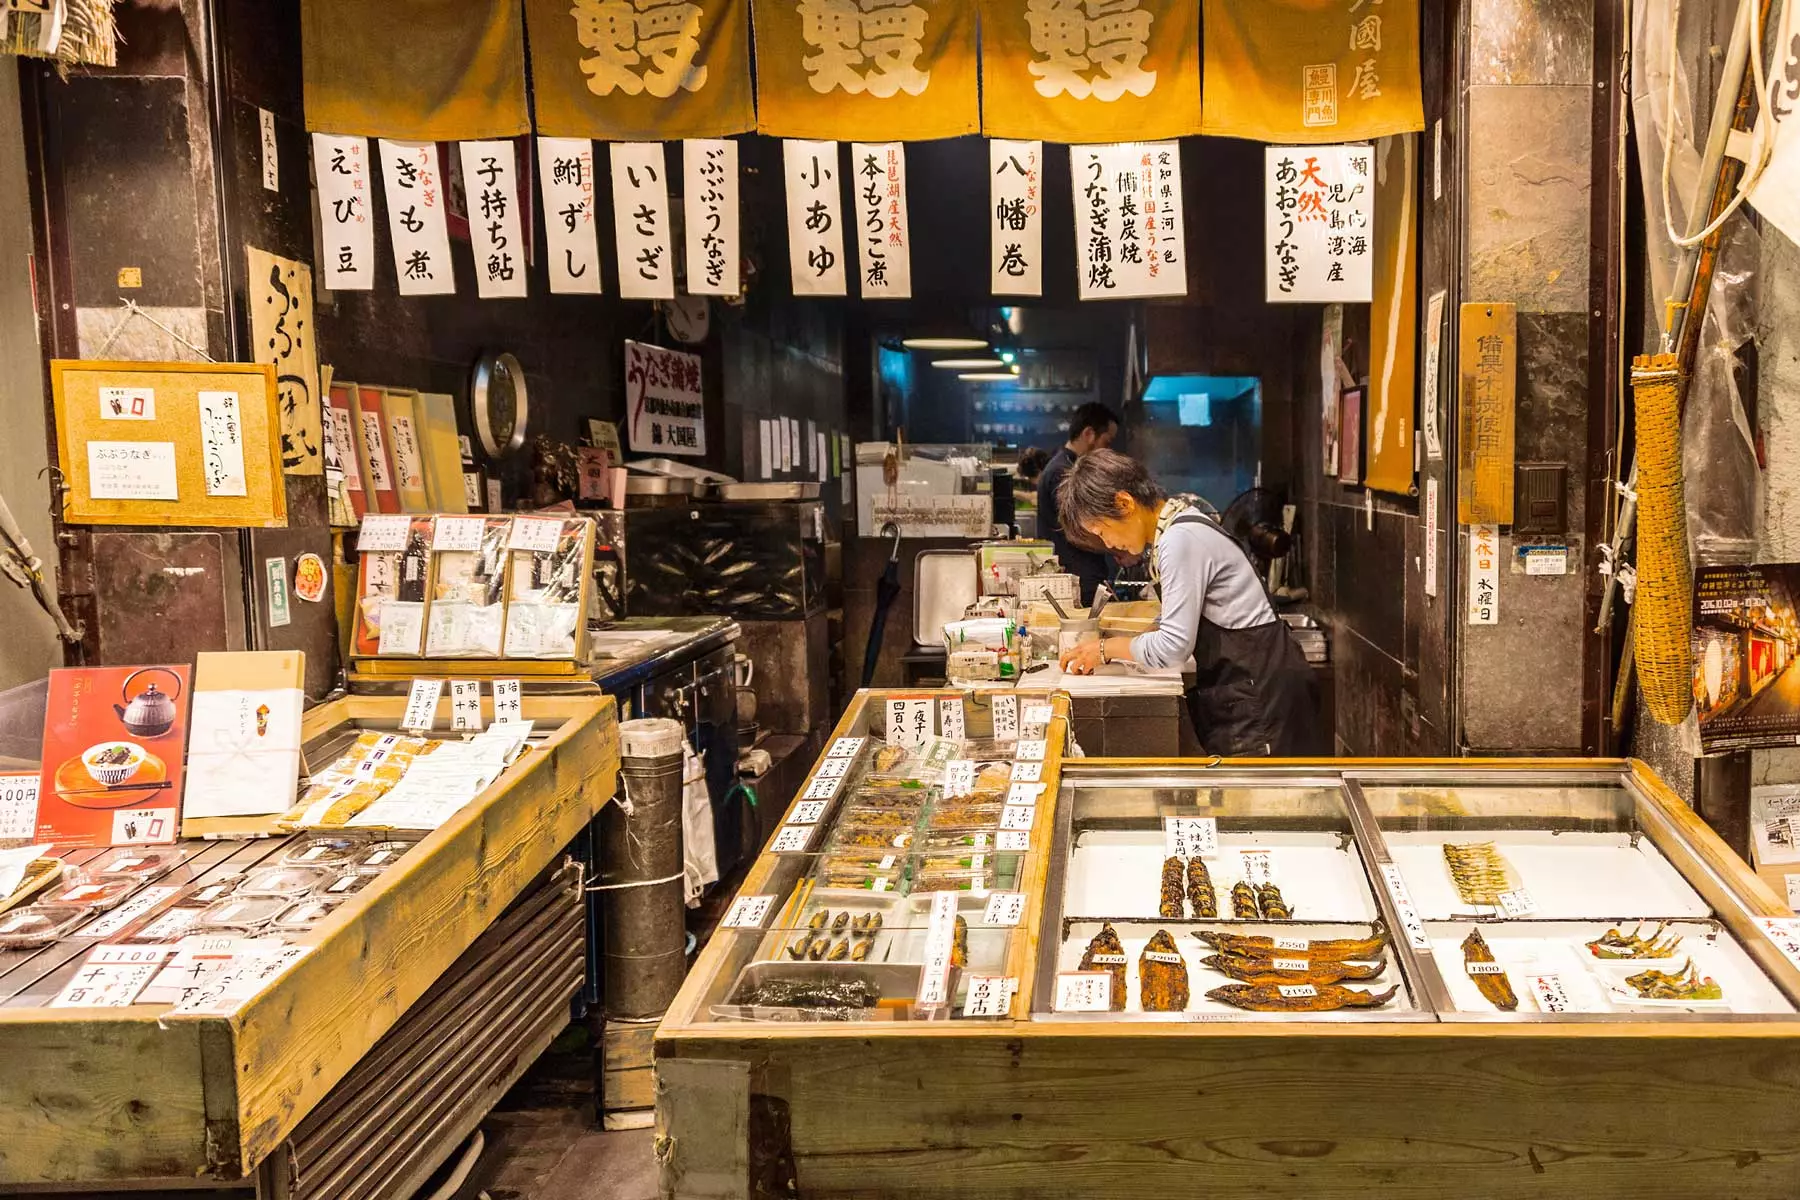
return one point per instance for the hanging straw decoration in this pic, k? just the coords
(1662, 617)
(88, 34)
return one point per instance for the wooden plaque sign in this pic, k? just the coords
(1488, 369)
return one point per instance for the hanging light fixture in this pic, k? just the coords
(988, 377)
(944, 343)
(968, 364)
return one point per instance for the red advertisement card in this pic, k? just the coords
(114, 738)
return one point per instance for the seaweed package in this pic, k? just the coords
(468, 587)
(548, 565)
(1162, 975)
(1105, 952)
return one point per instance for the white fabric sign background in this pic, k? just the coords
(1016, 217)
(566, 179)
(711, 195)
(1129, 239)
(640, 187)
(415, 206)
(346, 211)
(883, 230)
(1777, 194)
(1319, 224)
(491, 184)
(815, 217)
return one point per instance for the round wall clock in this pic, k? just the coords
(497, 396)
(689, 318)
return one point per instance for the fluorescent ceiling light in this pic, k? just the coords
(1007, 356)
(968, 364)
(944, 343)
(989, 377)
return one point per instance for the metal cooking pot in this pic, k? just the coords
(151, 713)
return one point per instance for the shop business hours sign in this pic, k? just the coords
(662, 401)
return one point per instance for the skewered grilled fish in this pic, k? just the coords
(860, 950)
(1200, 892)
(1287, 970)
(1480, 872)
(1331, 950)
(1299, 998)
(1489, 976)
(1162, 974)
(1272, 906)
(840, 950)
(1169, 905)
(1614, 944)
(1685, 984)
(819, 920)
(842, 919)
(1243, 901)
(1105, 952)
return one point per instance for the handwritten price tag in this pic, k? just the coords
(1006, 719)
(908, 722)
(1784, 932)
(535, 534)
(1084, 991)
(383, 533)
(791, 839)
(1027, 772)
(1517, 903)
(509, 704)
(808, 812)
(1257, 867)
(1403, 905)
(950, 719)
(1018, 818)
(748, 912)
(834, 768)
(457, 533)
(1189, 837)
(989, 996)
(18, 806)
(1034, 716)
(465, 704)
(1004, 908)
(959, 778)
(421, 705)
(1012, 839)
(1030, 750)
(130, 955)
(822, 788)
(844, 748)
(1024, 793)
(1549, 993)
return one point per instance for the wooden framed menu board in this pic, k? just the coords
(143, 443)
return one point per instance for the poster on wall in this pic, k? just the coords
(1319, 224)
(113, 749)
(663, 409)
(1746, 634)
(281, 334)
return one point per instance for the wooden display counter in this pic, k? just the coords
(139, 1097)
(1428, 1096)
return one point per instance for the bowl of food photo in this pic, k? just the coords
(112, 763)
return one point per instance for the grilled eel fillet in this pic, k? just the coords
(1162, 984)
(1106, 944)
(1200, 893)
(1326, 998)
(1492, 983)
(1335, 950)
(1169, 904)
(1265, 970)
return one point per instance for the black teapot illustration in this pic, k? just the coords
(151, 713)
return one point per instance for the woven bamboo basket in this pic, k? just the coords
(1663, 612)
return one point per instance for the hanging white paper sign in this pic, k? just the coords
(815, 218)
(1129, 237)
(491, 183)
(1319, 209)
(640, 187)
(1484, 574)
(415, 206)
(566, 179)
(710, 192)
(346, 212)
(222, 444)
(1015, 219)
(883, 230)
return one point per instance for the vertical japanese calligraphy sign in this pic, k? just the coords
(281, 335)
(1073, 71)
(417, 70)
(1393, 317)
(842, 69)
(641, 70)
(416, 204)
(1777, 192)
(1016, 217)
(1312, 71)
(883, 231)
(710, 193)
(490, 182)
(346, 211)
(1487, 366)
(664, 411)
(640, 189)
(1129, 237)
(566, 177)
(815, 213)
(1319, 224)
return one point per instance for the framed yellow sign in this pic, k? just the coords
(144, 443)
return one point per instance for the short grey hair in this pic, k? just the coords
(1091, 490)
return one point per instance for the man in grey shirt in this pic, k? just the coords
(1253, 693)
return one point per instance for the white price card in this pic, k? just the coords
(1297, 965)
(1030, 751)
(1517, 903)
(128, 912)
(1793, 891)
(1018, 817)
(950, 719)
(1024, 793)
(536, 534)
(1403, 905)
(1084, 991)
(465, 704)
(1292, 943)
(834, 768)
(822, 788)
(1012, 839)
(1784, 932)
(1004, 908)
(1190, 837)
(18, 806)
(909, 723)
(421, 705)
(383, 533)
(844, 748)
(940, 942)
(457, 533)
(807, 812)
(1296, 991)
(1027, 772)
(959, 777)
(1484, 968)
(989, 996)
(509, 703)
(1034, 716)
(748, 912)
(105, 985)
(1257, 867)
(1006, 719)
(130, 955)
(791, 839)
(1549, 993)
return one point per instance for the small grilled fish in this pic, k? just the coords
(860, 950)
(840, 950)
(874, 925)
(1200, 893)
(860, 923)
(1243, 901)
(1269, 901)
(1162, 984)
(842, 920)
(1169, 904)
(1334, 950)
(819, 920)
(1315, 998)
(820, 944)
(1491, 982)
(1265, 970)
(798, 947)
(959, 944)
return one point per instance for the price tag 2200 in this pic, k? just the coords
(1190, 837)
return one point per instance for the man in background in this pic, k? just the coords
(1092, 428)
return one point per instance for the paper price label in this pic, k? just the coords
(1549, 993)
(834, 768)
(127, 912)
(959, 778)
(1012, 839)
(1297, 991)
(105, 985)
(1292, 943)
(1034, 716)
(383, 533)
(844, 748)
(1004, 908)
(465, 704)
(1084, 991)
(1291, 964)
(1484, 968)
(1162, 956)
(130, 954)
(1108, 960)
(940, 936)
(791, 839)
(822, 788)
(457, 533)
(1257, 867)
(1006, 719)
(1403, 905)
(1017, 818)
(1784, 932)
(989, 996)
(908, 722)
(1030, 750)
(421, 705)
(1027, 772)
(509, 701)
(808, 812)
(1190, 837)
(18, 806)
(950, 719)
(536, 534)
(1024, 793)
(1517, 903)
(1793, 889)
(748, 912)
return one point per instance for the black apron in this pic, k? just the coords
(1254, 694)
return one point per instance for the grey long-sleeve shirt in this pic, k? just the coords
(1203, 574)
